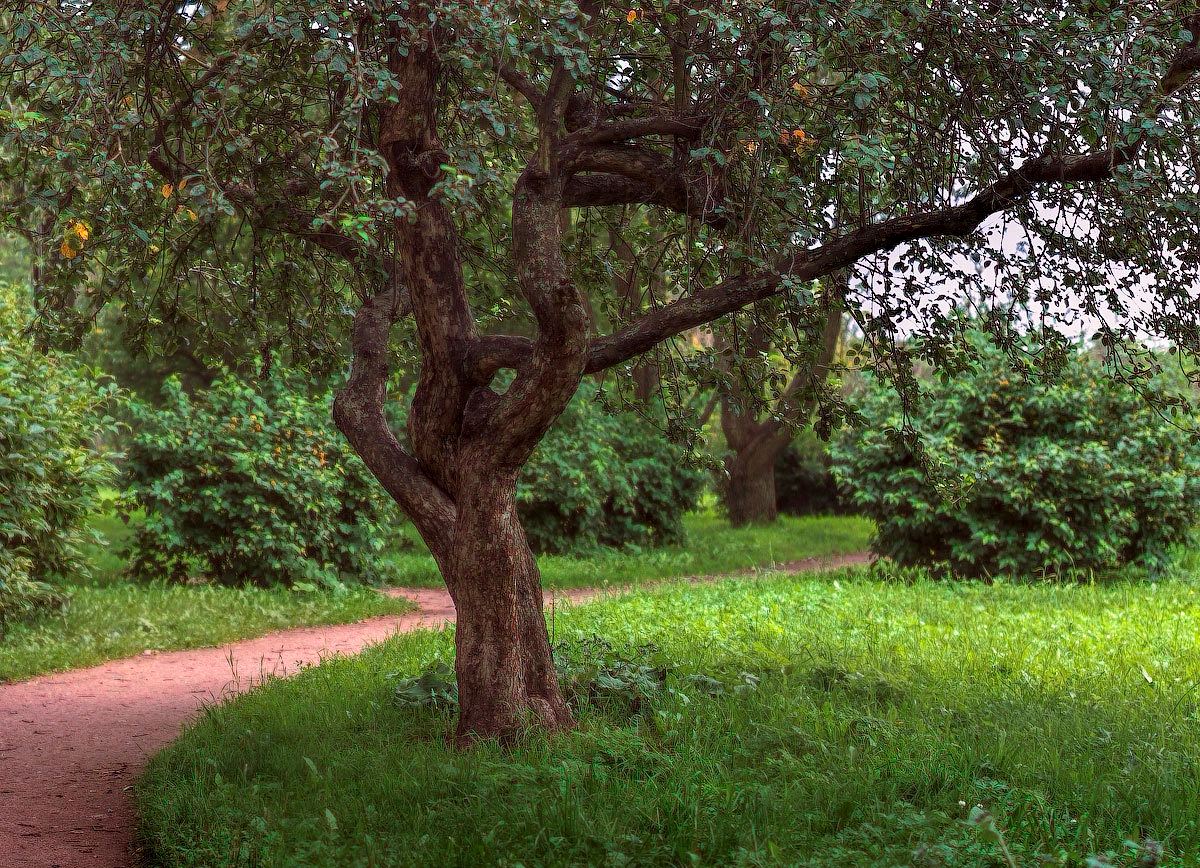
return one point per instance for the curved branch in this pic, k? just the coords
(358, 413)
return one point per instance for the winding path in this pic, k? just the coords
(71, 743)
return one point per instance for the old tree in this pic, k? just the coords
(444, 173)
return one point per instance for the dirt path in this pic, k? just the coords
(71, 743)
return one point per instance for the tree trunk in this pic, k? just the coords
(506, 678)
(750, 487)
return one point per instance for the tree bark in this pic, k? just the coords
(506, 678)
(750, 488)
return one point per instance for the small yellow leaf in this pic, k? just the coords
(67, 250)
(154, 248)
(632, 16)
(167, 189)
(181, 185)
(80, 228)
(191, 213)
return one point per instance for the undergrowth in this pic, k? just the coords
(816, 721)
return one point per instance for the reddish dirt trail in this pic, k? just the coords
(71, 743)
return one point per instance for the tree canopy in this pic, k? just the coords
(443, 171)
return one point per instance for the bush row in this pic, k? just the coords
(1024, 475)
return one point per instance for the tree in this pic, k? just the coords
(757, 429)
(376, 146)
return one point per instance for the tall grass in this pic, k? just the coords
(859, 723)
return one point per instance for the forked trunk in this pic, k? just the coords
(506, 677)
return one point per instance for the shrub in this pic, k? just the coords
(1071, 473)
(249, 483)
(605, 479)
(52, 412)
(804, 481)
(22, 597)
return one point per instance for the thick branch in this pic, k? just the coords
(358, 413)
(634, 128)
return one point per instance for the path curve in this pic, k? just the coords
(71, 743)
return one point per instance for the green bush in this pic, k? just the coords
(52, 413)
(1070, 473)
(249, 483)
(22, 597)
(605, 479)
(804, 481)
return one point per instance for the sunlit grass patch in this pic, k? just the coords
(121, 619)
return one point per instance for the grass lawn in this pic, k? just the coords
(855, 723)
(109, 617)
(710, 547)
(120, 620)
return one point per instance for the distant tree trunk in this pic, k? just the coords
(755, 445)
(750, 487)
(646, 375)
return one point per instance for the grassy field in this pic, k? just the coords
(109, 617)
(710, 547)
(119, 620)
(831, 720)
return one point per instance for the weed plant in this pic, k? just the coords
(857, 723)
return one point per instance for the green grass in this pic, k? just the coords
(710, 547)
(108, 617)
(118, 620)
(882, 713)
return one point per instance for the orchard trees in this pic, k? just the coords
(435, 170)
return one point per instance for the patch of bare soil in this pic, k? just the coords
(71, 743)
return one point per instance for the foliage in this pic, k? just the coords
(605, 479)
(804, 481)
(249, 484)
(885, 711)
(22, 598)
(52, 412)
(1070, 472)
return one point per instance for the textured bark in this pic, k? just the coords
(506, 678)
(750, 487)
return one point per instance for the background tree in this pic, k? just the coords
(368, 143)
(765, 398)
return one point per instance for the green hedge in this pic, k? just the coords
(1071, 473)
(52, 415)
(605, 479)
(249, 483)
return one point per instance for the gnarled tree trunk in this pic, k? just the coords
(468, 441)
(506, 676)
